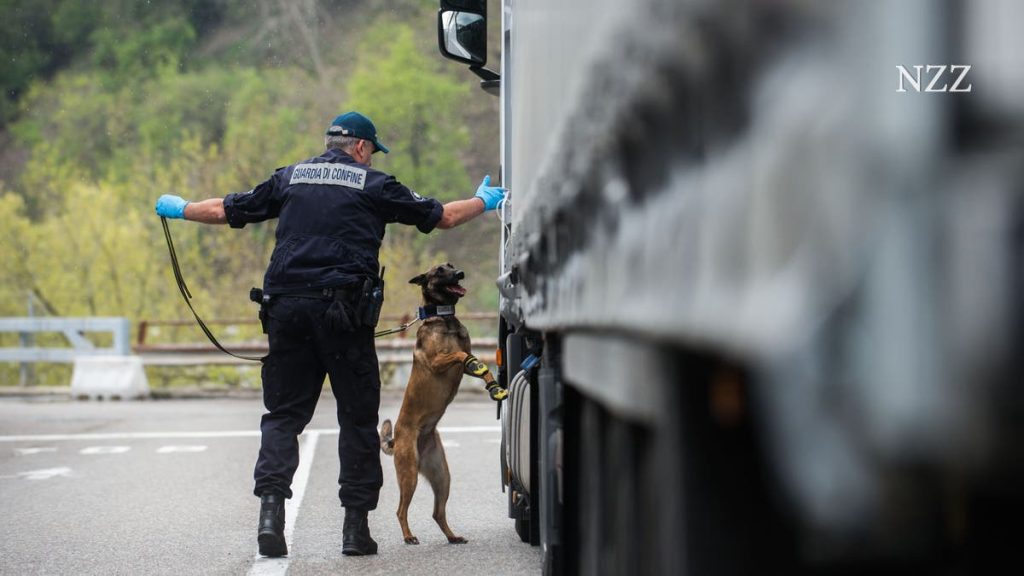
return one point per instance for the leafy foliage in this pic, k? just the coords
(112, 107)
(395, 81)
(39, 37)
(417, 112)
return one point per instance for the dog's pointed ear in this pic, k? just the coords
(421, 280)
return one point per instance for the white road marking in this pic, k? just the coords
(173, 449)
(209, 434)
(30, 451)
(105, 450)
(493, 441)
(45, 474)
(263, 566)
(132, 436)
(450, 444)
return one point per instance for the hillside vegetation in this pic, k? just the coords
(110, 104)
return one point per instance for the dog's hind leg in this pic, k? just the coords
(405, 470)
(434, 468)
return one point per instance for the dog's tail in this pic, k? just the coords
(387, 438)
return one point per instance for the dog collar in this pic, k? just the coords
(430, 311)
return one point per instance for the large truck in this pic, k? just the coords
(761, 273)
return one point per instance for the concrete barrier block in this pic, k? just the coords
(109, 377)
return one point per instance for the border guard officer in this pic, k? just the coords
(321, 296)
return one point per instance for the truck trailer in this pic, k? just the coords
(760, 281)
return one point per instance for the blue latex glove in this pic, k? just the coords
(170, 206)
(491, 195)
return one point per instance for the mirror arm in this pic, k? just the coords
(485, 74)
(490, 81)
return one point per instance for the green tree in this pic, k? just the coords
(144, 52)
(416, 108)
(128, 37)
(417, 112)
(15, 276)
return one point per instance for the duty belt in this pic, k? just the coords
(321, 294)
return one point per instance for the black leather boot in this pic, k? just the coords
(270, 534)
(355, 534)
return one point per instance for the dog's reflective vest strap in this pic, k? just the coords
(183, 288)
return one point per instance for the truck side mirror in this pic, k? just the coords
(462, 36)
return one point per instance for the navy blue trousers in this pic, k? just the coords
(302, 352)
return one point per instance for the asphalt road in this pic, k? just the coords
(165, 487)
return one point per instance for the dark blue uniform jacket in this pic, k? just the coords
(332, 212)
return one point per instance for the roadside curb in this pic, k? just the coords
(28, 391)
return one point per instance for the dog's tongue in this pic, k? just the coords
(458, 290)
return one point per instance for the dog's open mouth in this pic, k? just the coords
(456, 289)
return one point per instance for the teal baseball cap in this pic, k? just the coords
(356, 125)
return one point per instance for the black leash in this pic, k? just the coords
(188, 296)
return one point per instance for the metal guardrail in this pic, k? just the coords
(393, 351)
(385, 321)
(396, 350)
(74, 330)
(389, 350)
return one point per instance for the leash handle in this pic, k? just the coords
(187, 296)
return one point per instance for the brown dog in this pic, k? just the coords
(441, 357)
